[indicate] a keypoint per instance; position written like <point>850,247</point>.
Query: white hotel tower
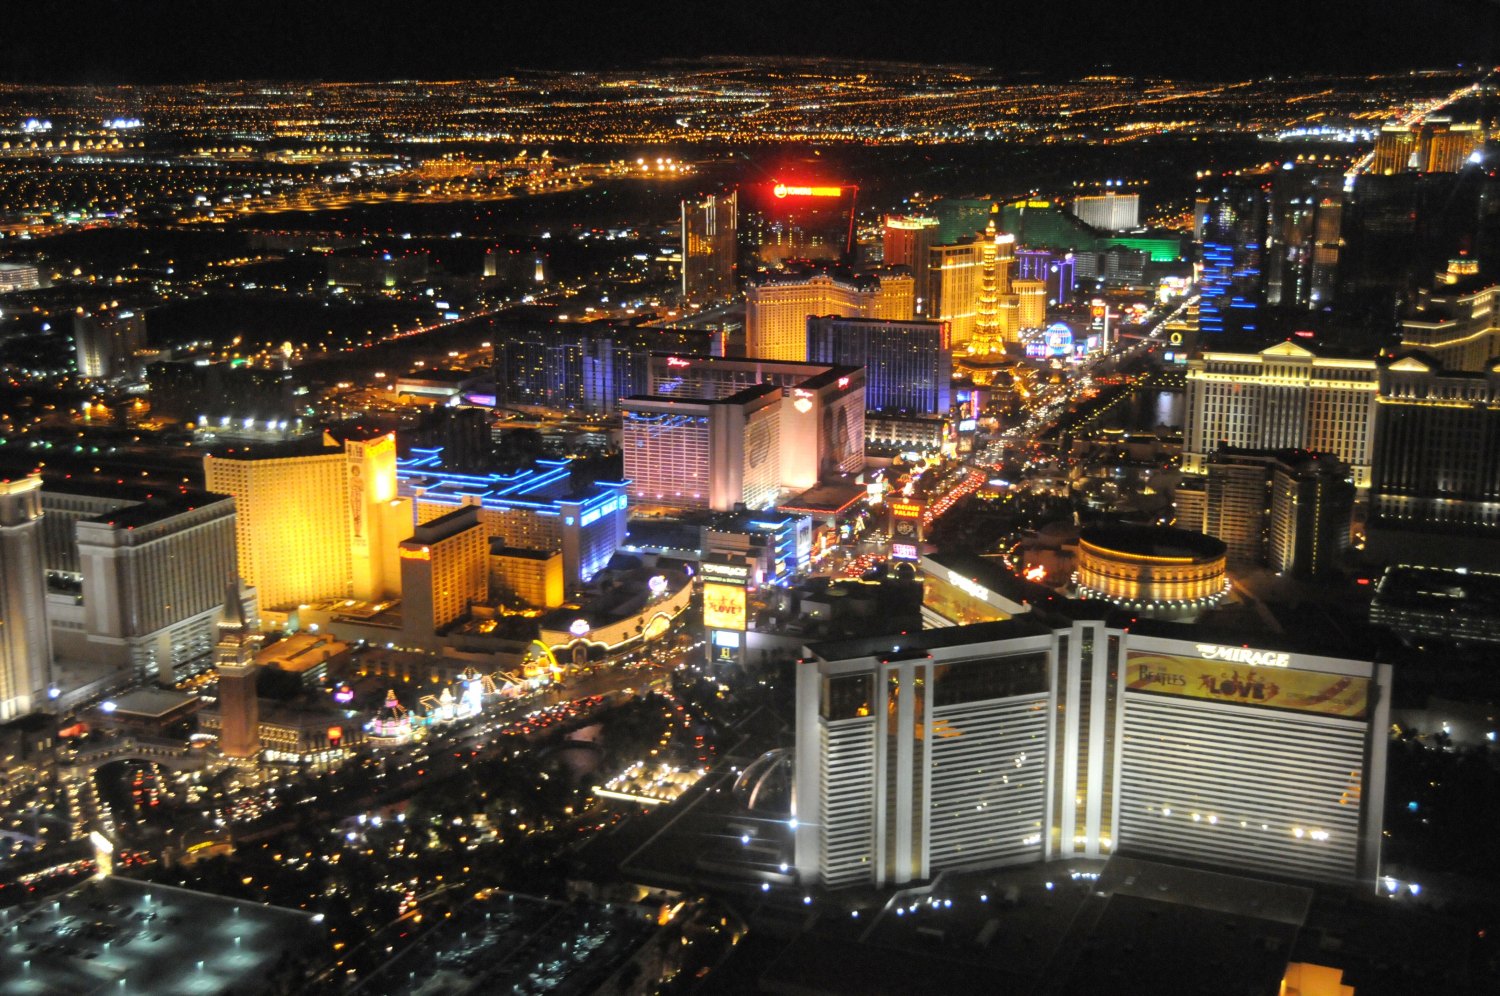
<point>1029,740</point>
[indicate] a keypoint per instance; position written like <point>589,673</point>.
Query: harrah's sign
<point>1244,655</point>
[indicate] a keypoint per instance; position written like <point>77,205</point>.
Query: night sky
<point>107,41</point>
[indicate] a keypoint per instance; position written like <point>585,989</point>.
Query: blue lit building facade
<point>1058,268</point>
<point>1234,234</point>
<point>585,367</point>
<point>908,365</point>
<point>534,509</point>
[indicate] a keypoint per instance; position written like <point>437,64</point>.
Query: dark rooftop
<point>1153,541</point>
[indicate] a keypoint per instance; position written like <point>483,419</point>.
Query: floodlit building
<point>1109,212</point>
<point>778,304</point>
<point>444,570</point>
<point>908,241</point>
<point>709,247</point>
<point>822,419</point>
<point>908,365</point>
<point>539,508</point>
<point>1282,397</point>
<point>1455,320</point>
<point>1435,486</point>
<point>530,577</point>
<point>704,453</point>
<point>1028,740</point>
<point>107,343</point>
<point>25,646</point>
<point>315,519</point>
<point>954,273</point>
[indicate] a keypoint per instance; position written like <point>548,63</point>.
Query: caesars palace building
<point>1081,733</point>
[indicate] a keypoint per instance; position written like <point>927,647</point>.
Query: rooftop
<point>160,507</point>
<point>1153,541</point>
<point>116,935</point>
<point>152,703</point>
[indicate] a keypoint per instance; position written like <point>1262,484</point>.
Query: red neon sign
<point>673,361</point>
<point>782,190</point>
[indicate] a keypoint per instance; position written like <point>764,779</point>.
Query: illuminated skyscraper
<point>908,365</point>
<point>1234,232</point>
<point>1036,739</point>
<point>25,648</point>
<point>709,247</point>
<point>822,407</point>
<point>1457,320</point>
<point>712,453</point>
<point>1435,485</point>
<point>1395,147</point>
<point>908,241</point>
<point>778,304</point>
<point>539,508</point>
<point>1109,212</point>
<point>954,275</point>
<point>444,570</point>
<point>1303,239</point>
<point>151,583</point>
<point>107,342</point>
<point>584,366</point>
<point>234,658</point>
<point>316,520</point>
<point>1283,397</point>
<point>1031,298</point>
<point>801,220</point>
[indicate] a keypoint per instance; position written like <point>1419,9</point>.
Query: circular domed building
<point>1158,571</point>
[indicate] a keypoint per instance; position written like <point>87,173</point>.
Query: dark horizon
<point>111,42</point>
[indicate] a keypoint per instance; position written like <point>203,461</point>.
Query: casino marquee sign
<point>1247,677</point>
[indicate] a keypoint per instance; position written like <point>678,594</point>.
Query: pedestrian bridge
<point>167,753</point>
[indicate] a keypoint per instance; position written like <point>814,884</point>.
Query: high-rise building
<point>234,659</point>
<point>1312,508</point>
<point>540,508</point>
<point>444,571</point>
<point>797,220</point>
<point>908,241</point>
<point>1028,740</point>
<point>19,277</point>
<point>107,343</point>
<point>709,247</point>
<point>822,408</point>
<point>1303,238</point>
<point>585,367</point>
<point>1031,302</point>
<point>1290,510</point>
<point>1108,212</point>
<point>908,365</point>
<point>1448,146</point>
<point>25,648</point>
<point>1435,484</point>
<point>1437,145</point>
<point>152,584</point>
<point>1395,150</point>
<point>1234,233</point>
<point>959,218</point>
<point>315,519</point>
<point>954,275</point>
<point>529,577</point>
<point>1057,269</point>
<point>1455,321</point>
<point>778,304</point>
<point>1283,397</point>
<point>711,453</point>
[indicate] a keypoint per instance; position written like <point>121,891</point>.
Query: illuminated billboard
<point>1275,686</point>
<point>906,529</point>
<point>724,606</point>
